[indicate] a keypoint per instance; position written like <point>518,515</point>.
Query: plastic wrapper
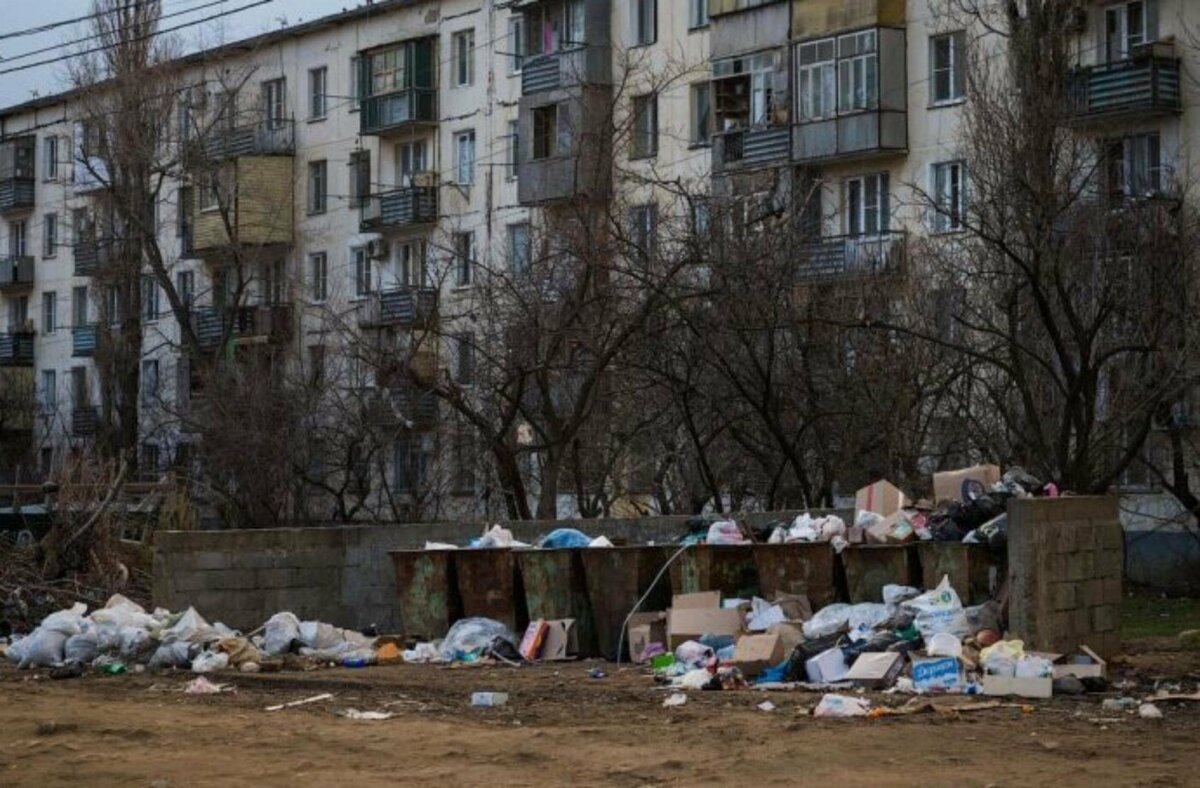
<point>827,621</point>
<point>564,537</point>
<point>842,706</point>
<point>939,610</point>
<point>473,634</point>
<point>864,617</point>
<point>725,532</point>
<point>693,653</point>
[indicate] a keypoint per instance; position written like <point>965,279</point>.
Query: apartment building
<point>381,157</point>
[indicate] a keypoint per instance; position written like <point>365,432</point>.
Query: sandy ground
<point>562,727</point>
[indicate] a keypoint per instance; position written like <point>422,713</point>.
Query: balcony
<point>753,147</point>
<point>262,138</point>
<point>404,306</point>
<point>394,112</point>
<point>869,133</point>
<point>84,341</point>
<point>399,208</point>
<point>16,349</point>
<point>848,257</point>
<point>91,256</point>
<point>266,323</point>
<point>584,65</point>
<point>85,421</point>
<point>16,273</point>
<point>403,406</point>
<point>257,200</point>
<point>16,174</point>
<point>1146,85</point>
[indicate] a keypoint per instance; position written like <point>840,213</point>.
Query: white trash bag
<point>828,620</point>
<point>279,632</point>
<point>939,610</point>
<point>842,706</point>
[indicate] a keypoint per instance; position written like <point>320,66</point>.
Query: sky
<point>18,15</point>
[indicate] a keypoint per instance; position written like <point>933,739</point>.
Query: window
<point>697,14</point>
<point>318,185</point>
<point>464,460</point>
<point>362,271</point>
<point>48,391</point>
<point>949,194</point>
<point>645,126</point>
<point>411,259</point>
<point>79,388</point>
<point>360,177</point>
<point>18,314</point>
<point>410,463</point>
<point>1133,166</point>
<point>149,459</point>
<point>858,72</point>
<point>464,258</point>
<point>1127,26</point>
<point>210,192</point>
<point>50,157</point>
<point>185,287</point>
<point>112,305</point>
<point>49,312</point>
<point>817,80</point>
<point>149,380</point>
<point>318,103</point>
<point>183,215</point>
<point>275,103</point>
<point>410,159</point>
<point>464,157</point>
<point>517,44</point>
<point>79,310</point>
<point>149,298</point>
<point>520,248</point>
<point>355,83</point>
<point>18,241</point>
<point>274,282</point>
<point>49,235</point>
<point>514,147</point>
<point>463,45</point>
<point>867,208</point>
<point>643,16</point>
<point>464,357</point>
<point>643,220</point>
<point>318,277</point>
<point>702,116</point>
<point>545,131</point>
<point>946,67</point>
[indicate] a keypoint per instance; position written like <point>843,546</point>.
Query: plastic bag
<point>831,526</point>
<point>279,632</point>
<point>692,653</point>
<point>495,537</point>
<point>319,635</point>
<point>564,537</point>
<point>134,642</point>
<point>985,616</point>
<point>944,644</point>
<point>1001,658</point>
<point>120,612</point>
<point>600,541</point>
<point>422,653</point>
<point>68,622</point>
<point>190,627</point>
<point>864,617</point>
<point>473,634</point>
<point>81,648</point>
<point>42,649</point>
<point>842,706</point>
<point>209,661</point>
<point>893,595</point>
<point>939,610</point>
<point>827,621</point>
<point>804,529</point>
<point>1030,667</point>
<point>725,532</point>
<point>174,655</point>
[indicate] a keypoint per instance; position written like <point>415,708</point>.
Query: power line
<point>93,50</point>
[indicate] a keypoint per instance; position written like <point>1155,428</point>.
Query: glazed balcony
<point>16,273</point>
<point>16,349</point>
<point>16,174</point>
<point>399,208</point>
<point>854,256</point>
<point>1144,86</point>
<point>402,306</point>
<point>391,113</point>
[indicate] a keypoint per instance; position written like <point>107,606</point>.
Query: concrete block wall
<point>1066,563</point>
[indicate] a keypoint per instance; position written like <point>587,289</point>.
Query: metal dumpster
<point>426,592</point>
<point>798,568</point>
<point>555,588</point>
<point>869,568</point>
<point>490,586</point>
<point>617,577</point>
<point>730,569</point>
<point>969,567</point>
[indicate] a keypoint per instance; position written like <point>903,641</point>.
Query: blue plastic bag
<point>564,537</point>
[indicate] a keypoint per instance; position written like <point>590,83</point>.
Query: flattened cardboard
<point>687,624</point>
<point>703,599</point>
<point>791,634</point>
<point>1086,664</point>
<point>562,640</point>
<point>795,606</point>
<point>1025,688</point>
<point>755,653</point>
<point>882,497</point>
<point>965,484</point>
<point>644,629</point>
<point>875,669</point>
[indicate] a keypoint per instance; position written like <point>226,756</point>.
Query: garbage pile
<point>499,536</point>
<point>912,641</point>
<point>122,636</point>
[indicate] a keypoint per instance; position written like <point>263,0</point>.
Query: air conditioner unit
<point>377,249</point>
<point>426,179</point>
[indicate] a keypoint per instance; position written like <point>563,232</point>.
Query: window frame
<point>520,265</point>
<point>48,391</point>
<point>869,218</point>
<point>464,258</point>
<point>318,277</point>
<point>514,150</point>
<point>50,158</point>
<point>461,137</point>
<point>954,70</point>
<point>644,106</point>
<point>49,311</point>
<point>274,92</point>
<point>49,235</point>
<point>318,101</point>
<point>360,178</point>
<point>463,58</point>
<point>697,15</point>
<point>361,271</point>
<point>318,187</point>
<point>708,121</point>
<point>643,14</point>
<point>949,218</point>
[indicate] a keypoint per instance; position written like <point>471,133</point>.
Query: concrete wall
<point>1065,561</point>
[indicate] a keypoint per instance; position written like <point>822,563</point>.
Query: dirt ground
<point>562,727</point>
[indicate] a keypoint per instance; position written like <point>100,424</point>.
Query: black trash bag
<point>502,650</point>
<point>943,526</point>
<point>880,641</point>
<point>1018,477</point>
<point>994,533</point>
<point>795,671</point>
<point>763,533</point>
<point>971,515</point>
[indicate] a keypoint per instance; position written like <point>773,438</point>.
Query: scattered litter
<point>202,686</point>
<point>842,706</point>
<point>355,714</point>
<point>1119,704</point>
<point>1148,711</point>
<point>766,705</point>
<point>303,702</point>
<point>489,699</point>
<point>677,699</point>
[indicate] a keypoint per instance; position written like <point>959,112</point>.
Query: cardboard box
<point>876,669</point>
<point>535,636</point>
<point>827,667</point>
<point>700,600</point>
<point>893,529</point>
<point>791,634</point>
<point>937,674</point>
<point>686,624</point>
<point>1087,664</point>
<point>562,640</point>
<point>644,629</point>
<point>755,653</point>
<point>1025,688</point>
<point>795,606</point>
<point>966,484</point>
<point>882,497</point>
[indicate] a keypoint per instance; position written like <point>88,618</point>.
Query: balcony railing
<point>404,306</point>
<point>854,256</point>
<point>85,421</point>
<point>753,146</point>
<point>404,406</point>
<point>91,256</point>
<point>266,323</point>
<point>580,65</point>
<point>16,194</point>
<point>400,208</point>
<point>16,173</point>
<point>1148,83</point>
<point>263,138</point>
<point>84,340</point>
<point>16,349</point>
<point>393,111</point>
<point>16,273</point>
